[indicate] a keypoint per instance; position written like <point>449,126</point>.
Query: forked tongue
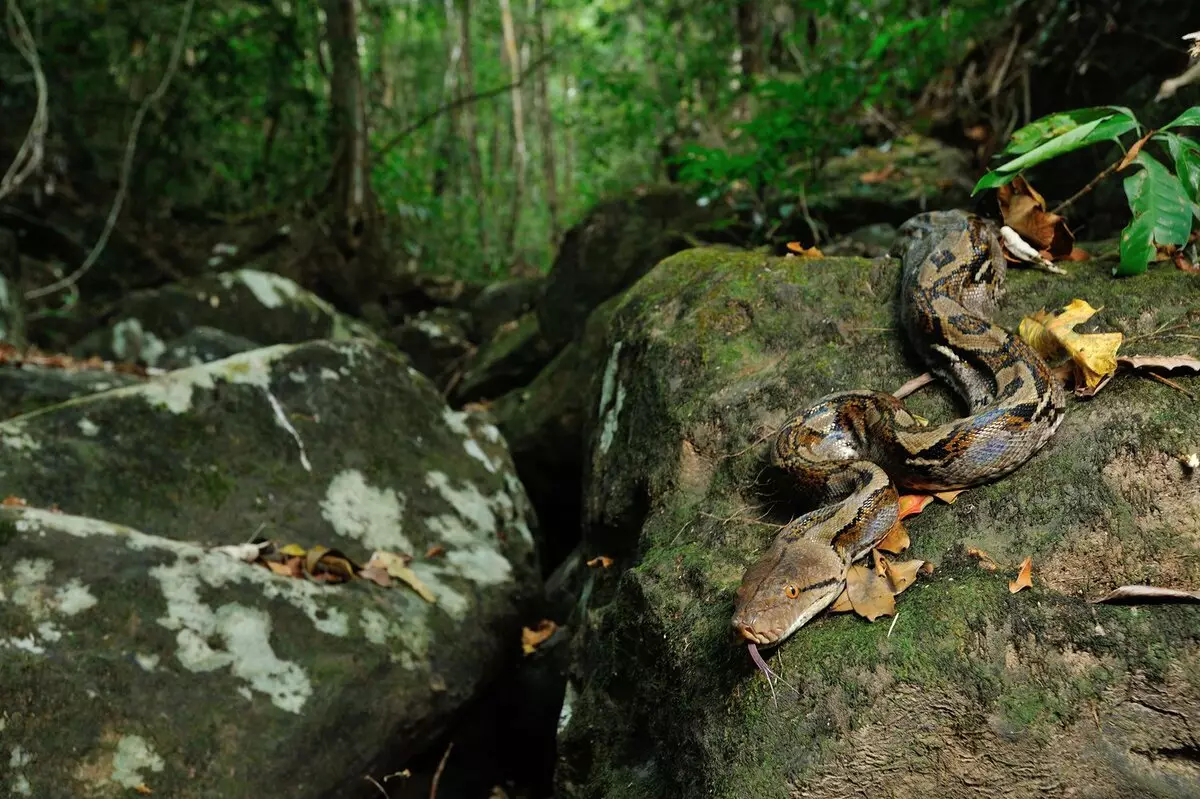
<point>771,676</point>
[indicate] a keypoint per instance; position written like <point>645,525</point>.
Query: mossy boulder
<point>501,302</point>
<point>257,306</point>
<point>25,388</point>
<point>436,341</point>
<point>132,653</point>
<point>973,689</point>
<point>618,241</point>
<point>515,354</point>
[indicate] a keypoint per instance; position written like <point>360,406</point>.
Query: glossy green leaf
<point>993,180</point>
<point>1097,130</point>
<point>1188,117</point>
<point>1186,155</point>
<point>1050,127</point>
<point>1162,214</point>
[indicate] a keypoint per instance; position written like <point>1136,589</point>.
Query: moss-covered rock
<point>258,306</point>
<point>513,357</point>
<point>132,653</point>
<point>973,689</point>
<point>25,388</point>
<point>616,243</point>
<point>436,341</point>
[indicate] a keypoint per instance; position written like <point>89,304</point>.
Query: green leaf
<point>1109,127</point>
<point>1186,155</point>
<point>1162,215</point>
<point>993,180</point>
<point>1050,127</point>
<point>1188,117</point>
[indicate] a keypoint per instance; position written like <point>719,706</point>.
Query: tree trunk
<point>443,169</point>
<point>568,90</point>
<point>518,124</point>
<point>541,27</point>
<point>470,133</point>
<point>749,26</point>
<point>348,128</point>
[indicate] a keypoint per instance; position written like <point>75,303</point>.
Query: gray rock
<point>436,341</point>
<point>202,345</point>
<point>25,388</point>
<point>133,653</point>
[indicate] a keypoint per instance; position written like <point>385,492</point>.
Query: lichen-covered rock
<point>973,690</point>
<point>131,653</point>
<point>616,243</point>
<point>12,317</point>
<point>889,183</point>
<point>513,357</point>
<point>436,341</point>
<point>25,388</point>
<point>202,345</point>
<point>502,302</point>
<point>258,306</point>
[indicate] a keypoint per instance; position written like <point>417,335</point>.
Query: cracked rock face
<point>132,653</point>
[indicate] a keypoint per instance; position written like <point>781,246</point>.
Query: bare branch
<point>126,164</point>
<point>29,156</point>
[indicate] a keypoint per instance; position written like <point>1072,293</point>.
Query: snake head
<point>794,581</point>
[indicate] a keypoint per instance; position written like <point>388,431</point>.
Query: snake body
<point>853,449</point>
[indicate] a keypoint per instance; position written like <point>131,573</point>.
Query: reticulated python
<point>852,449</point>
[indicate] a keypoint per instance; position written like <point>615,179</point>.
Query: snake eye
<point>791,591</point>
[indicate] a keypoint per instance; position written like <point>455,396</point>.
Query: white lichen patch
<point>405,634</point>
<point>242,634</point>
<point>74,597</point>
<point>271,290</point>
<point>132,342</point>
<point>88,427</point>
<point>148,661</point>
<point>328,374</point>
<point>612,398</point>
<point>457,422</point>
<point>134,754</point>
<point>367,514</point>
<point>429,327</point>
<point>13,437</point>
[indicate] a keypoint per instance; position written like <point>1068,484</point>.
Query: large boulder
<point>134,654</point>
<point>616,243</point>
<point>970,689</point>
<point>248,304</point>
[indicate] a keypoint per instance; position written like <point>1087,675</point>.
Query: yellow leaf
<point>532,638</point>
<point>407,575</point>
<point>1093,355</point>
<point>293,550</point>
<point>1024,577</point>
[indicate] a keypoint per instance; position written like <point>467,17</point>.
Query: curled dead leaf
<point>1166,363</point>
<point>1093,355</point>
<point>600,561</point>
<point>1024,210</point>
<point>396,565</point>
<point>1147,594</point>
<point>532,638</point>
<point>803,252</point>
<point>985,560</point>
<point>1024,577</point>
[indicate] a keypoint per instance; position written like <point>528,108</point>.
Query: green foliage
<point>1163,203</point>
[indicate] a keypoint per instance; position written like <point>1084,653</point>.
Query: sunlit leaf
<point>1162,215</point>
<point>1188,117</point>
<point>1024,577</point>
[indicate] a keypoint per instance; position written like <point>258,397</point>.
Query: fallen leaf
<point>1024,577</point>
<point>1077,254</point>
<point>13,502</point>
<point>329,565</point>
<point>1137,594</point>
<point>1024,210</point>
<point>531,639</point>
<point>143,789</point>
<point>901,575</point>
<point>434,551</point>
<point>803,252</point>
<point>376,575</point>
<point>842,604</point>
<point>985,560</point>
<point>397,566</point>
<point>1183,264</point>
<point>602,561</point>
<point>878,175</point>
<point>976,133</point>
<point>1167,363</point>
<point>912,504</point>
<point>388,560</point>
<point>293,550</point>
<point>869,592</point>
<point>948,496</point>
<point>292,567</point>
<point>247,553</point>
<point>1093,355</point>
<point>895,541</point>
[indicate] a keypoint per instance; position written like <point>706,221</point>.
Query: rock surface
<point>133,654</point>
<point>974,690</point>
<point>258,306</point>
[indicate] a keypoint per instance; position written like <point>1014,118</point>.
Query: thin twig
<point>29,156</point>
<point>1091,185</point>
<point>126,165</point>
<point>437,775</point>
<point>375,782</point>
<point>1169,382</point>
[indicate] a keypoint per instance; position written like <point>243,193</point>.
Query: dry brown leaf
<point>842,604</point>
<point>803,252</point>
<point>878,175</point>
<point>901,575</point>
<point>912,504</point>
<point>376,575</point>
<point>143,789</point>
<point>396,565</point>
<point>1024,210</point>
<point>948,496</point>
<point>985,560</point>
<point>1134,150</point>
<point>1166,363</point>
<point>1183,264</point>
<point>1024,577</point>
<point>1077,254</point>
<point>601,561</point>
<point>976,133</point>
<point>532,638</point>
<point>13,502</point>
<point>1093,355</point>
<point>869,592</point>
<point>896,540</point>
<point>1148,594</point>
<point>434,551</point>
